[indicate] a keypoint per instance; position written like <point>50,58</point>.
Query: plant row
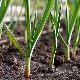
<point>53,12</point>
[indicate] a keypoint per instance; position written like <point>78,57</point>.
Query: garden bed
<point>12,63</point>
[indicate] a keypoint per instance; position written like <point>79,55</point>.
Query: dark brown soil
<point>12,63</point>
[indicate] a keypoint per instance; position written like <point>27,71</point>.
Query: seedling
<point>56,24</point>
<point>31,41</point>
<point>77,34</point>
<point>72,5</point>
<point>69,28</point>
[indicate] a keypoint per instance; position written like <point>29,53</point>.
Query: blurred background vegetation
<point>17,5</point>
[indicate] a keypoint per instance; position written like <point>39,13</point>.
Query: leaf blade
<point>13,39</point>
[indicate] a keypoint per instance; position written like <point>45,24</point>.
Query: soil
<point>12,63</point>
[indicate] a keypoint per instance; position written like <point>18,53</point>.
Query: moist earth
<point>12,63</point>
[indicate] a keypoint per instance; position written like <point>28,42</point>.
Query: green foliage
<point>33,33</point>
<point>13,39</point>
<point>70,21</point>
<point>4,4</point>
<point>56,24</point>
<point>31,41</point>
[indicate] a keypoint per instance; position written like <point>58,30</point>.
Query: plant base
<point>52,61</point>
<point>27,68</point>
<point>67,54</point>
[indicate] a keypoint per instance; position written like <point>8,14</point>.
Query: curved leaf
<point>13,39</point>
